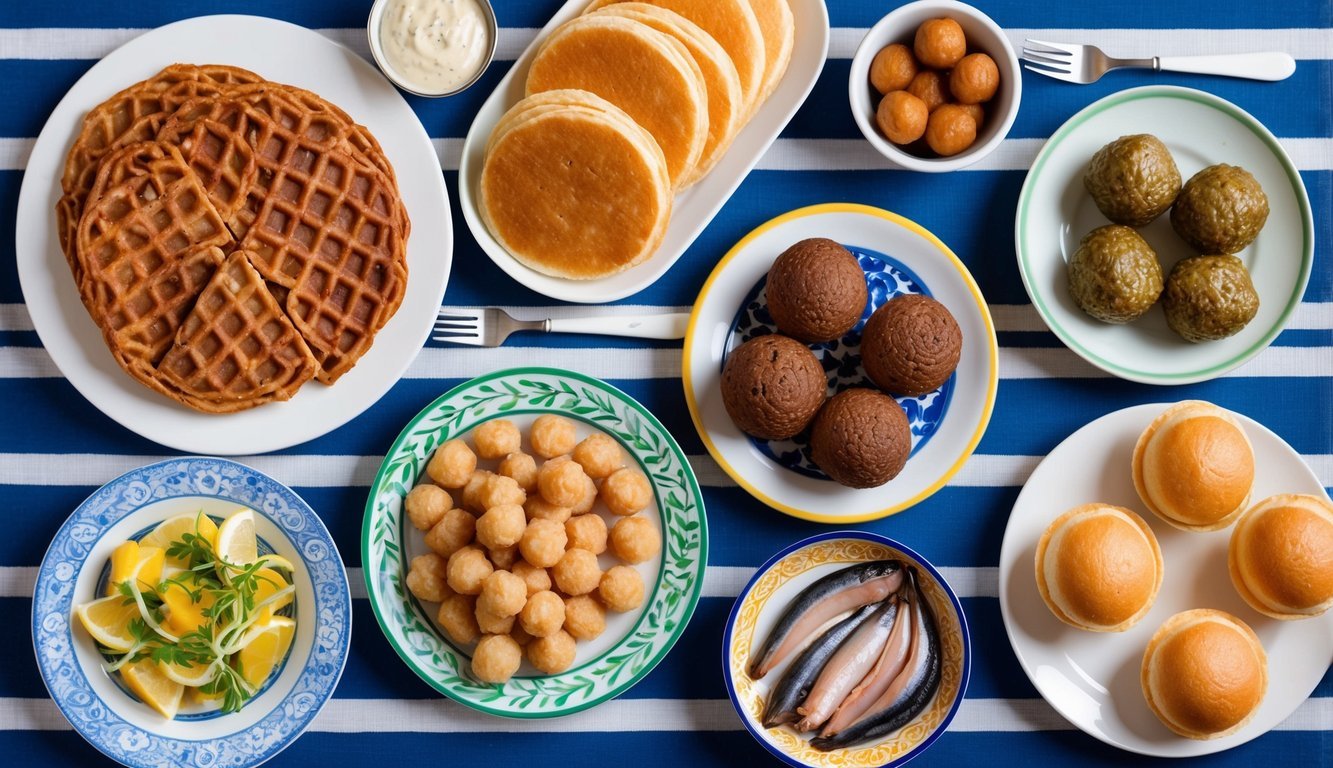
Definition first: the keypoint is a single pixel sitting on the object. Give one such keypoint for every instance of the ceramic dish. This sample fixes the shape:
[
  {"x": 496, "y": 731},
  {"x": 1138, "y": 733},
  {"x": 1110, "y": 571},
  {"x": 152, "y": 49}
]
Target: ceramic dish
[
  {"x": 693, "y": 208},
  {"x": 1054, "y": 213},
  {"x": 108, "y": 716},
  {"x": 374, "y": 29},
  {"x": 899, "y": 256},
  {"x": 1093, "y": 678},
  {"x": 310, "y": 61},
  {"x": 983, "y": 35},
  {"x": 633, "y": 642},
  {"x": 771, "y": 590}
]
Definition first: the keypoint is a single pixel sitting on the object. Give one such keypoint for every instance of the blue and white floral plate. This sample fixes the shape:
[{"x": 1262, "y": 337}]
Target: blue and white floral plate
[
  {"x": 107, "y": 715},
  {"x": 898, "y": 256}
]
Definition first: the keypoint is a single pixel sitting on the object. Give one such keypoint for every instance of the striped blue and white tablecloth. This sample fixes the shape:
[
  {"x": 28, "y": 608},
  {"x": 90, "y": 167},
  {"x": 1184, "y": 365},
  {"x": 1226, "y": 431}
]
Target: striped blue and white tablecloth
[{"x": 55, "y": 448}]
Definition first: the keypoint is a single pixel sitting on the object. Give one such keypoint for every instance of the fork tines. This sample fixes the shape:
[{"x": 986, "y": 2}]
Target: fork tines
[
  {"x": 1046, "y": 58},
  {"x": 460, "y": 329}
]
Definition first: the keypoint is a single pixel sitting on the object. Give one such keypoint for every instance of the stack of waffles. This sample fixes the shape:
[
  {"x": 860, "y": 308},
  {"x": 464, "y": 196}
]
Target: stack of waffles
[{"x": 232, "y": 237}]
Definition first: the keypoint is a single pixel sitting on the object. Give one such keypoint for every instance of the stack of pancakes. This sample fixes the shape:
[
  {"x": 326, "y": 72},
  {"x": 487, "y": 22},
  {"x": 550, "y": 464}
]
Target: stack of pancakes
[
  {"x": 626, "y": 105},
  {"x": 232, "y": 237}
]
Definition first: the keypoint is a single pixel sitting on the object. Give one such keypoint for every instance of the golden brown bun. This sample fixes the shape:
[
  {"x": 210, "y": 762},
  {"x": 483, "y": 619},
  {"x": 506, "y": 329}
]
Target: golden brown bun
[
  {"x": 1099, "y": 568},
  {"x": 1281, "y": 556},
  {"x": 1194, "y": 466},
  {"x": 1204, "y": 673}
]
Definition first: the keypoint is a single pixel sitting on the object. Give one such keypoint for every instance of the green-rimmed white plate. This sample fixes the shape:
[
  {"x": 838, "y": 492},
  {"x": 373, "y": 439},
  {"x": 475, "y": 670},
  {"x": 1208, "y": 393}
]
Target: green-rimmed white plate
[
  {"x": 1054, "y": 213},
  {"x": 633, "y": 642}
]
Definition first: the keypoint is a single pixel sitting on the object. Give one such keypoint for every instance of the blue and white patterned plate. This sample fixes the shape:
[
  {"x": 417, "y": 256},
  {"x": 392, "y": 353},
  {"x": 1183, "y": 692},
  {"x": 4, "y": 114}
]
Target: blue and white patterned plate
[{"x": 110, "y": 718}]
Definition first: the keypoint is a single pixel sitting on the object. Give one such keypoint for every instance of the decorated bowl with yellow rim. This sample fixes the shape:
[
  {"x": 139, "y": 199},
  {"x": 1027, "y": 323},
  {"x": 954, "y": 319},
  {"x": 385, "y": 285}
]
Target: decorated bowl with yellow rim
[
  {"x": 898, "y": 257},
  {"x": 772, "y": 589}
]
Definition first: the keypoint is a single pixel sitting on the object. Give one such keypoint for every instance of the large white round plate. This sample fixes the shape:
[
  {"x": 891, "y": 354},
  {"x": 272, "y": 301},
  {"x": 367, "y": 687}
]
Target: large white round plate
[
  {"x": 1092, "y": 678},
  {"x": 693, "y": 208},
  {"x": 1055, "y": 212},
  {"x": 917, "y": 262},
  {"x": 118, "y": 724},
  {"x": 283, "y": 53}
]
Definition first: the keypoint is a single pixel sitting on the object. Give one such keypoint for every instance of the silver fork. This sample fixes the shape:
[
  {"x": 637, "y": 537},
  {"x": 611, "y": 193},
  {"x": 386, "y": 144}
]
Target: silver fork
[
  {"x": 1087, "y": 63},
  {"x": 489, "y": 327}
]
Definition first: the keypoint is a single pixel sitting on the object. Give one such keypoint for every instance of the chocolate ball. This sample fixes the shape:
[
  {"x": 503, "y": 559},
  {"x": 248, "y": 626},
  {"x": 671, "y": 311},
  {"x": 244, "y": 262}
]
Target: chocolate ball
[
  {"x": 861, "y": 438},
  {"x": 816, "y": 290},
  {"x": 910, "y": 346},
  {"x": 772, "y": 386}
]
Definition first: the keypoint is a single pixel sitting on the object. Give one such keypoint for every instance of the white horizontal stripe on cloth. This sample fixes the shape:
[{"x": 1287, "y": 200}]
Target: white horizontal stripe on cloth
[
  {"x": 94, "y": 43},
  {"x": 1312, "y": 154},
  {"x": 617, "y": 716},
  {"x": 1008, "y": 317},
  {"x": 982, "y": 470}
]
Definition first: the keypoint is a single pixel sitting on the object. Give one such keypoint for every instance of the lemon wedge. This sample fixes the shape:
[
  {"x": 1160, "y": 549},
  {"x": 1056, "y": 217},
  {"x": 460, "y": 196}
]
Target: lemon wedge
[
  {"x": 184, "y": 613},
  {"x": 108, "y": 619},
  {"x": 189, "y": 675},
  {"x": 237, "y": 543},
  {"x": 132, "y": 556},
  {"x": 174, "y": 529},
  {"x": 150, "y": 683},
  {"x": 269, "y": 582},
  {"x": 265, "y": 647}
]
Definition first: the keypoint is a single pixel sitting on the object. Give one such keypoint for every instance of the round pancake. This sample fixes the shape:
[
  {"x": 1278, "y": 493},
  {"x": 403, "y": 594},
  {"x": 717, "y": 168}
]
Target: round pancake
[
  {"x": 719, "y": 74},
  {"x": 571, "y": 193},
  {"x": 732, "y": 23},
  {"x": 649, "y": 75},
  {"x": 779, "y": 30},
  {"x": 550, "y": 101}
]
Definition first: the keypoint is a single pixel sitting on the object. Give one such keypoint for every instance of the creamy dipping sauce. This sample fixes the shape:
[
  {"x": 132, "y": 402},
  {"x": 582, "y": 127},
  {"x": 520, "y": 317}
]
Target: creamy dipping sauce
[{"x": 434, "y": 46}]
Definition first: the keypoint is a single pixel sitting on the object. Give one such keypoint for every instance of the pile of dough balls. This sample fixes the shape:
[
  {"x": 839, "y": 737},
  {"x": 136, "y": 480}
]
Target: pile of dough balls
[
  {"x": 514, "y": 562},
  {"x": 933, "y": 89}
]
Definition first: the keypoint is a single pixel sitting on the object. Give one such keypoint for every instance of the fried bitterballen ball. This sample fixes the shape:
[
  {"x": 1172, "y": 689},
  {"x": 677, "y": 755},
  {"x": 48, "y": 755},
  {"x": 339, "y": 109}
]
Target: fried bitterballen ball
[
  {"x": 452, "y": 464},
  {"x": 468, "y": 569},
  {"x": 635, "y": 540},
  {"x": 599, "y": 455},
  {"x": 471, "y": 496},
  {"x": 496, "y": 438},
  {"x": 543, "y": 614},
  {"x": 494, "y": 625},
  {"x": 426, "y": 578},
  {"x": 902, "y": 117},
  {"x": 930, "y": 87},
  {"x": 621, "y": 589},
  {"x": 950, "y": 130},
  {"x": 577, "y": 572},
  {"x": 543, "y": 543},
  {"x": 496, "y": 659},
  {"x": 499, "y": 489},
  {"x": 975, "y": 79},
  {"x": 538, "y": 508},
  {"x": 537, "y": 579},
  {"x": 939, "y": 43},
  {"x": 587, "y": 532},
  {"x": 585, "y": 618},
  {"x": 627, "y": 492},
  {"x": 585, "y": 503},
  {"x": 503, "y": 558},
  {"x": 521, "y": 467},
  {"x": 892, "y": 68},
  {"x": 458, "y": 618},
  {"x": 554, "y": 653},
  {"x": 552, "y": 436},
  {"x": 562, "y": 481},
  {"x": 502, "y": 594},
  {"x": 502, "y": 526},
  {"x": 426, "y": 504},
  {"x": 453, "y": 532}
]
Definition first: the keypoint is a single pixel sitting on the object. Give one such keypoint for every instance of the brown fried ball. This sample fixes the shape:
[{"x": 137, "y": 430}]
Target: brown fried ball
[
  {"x": 901, "y": 117},
  {"x": 543, "y": 542},
  {"x": 585, "y": 618},
  {"x": 978, "y": 114},
  {"x": 452, "y": 533},
  {"x": 552, "y": 436},
  {"x": 939, "y": 43},
  {"x": 452, "y": 464},
  {"x": 536, "y": 579},
  {"x": 502, "y": 526},
  {"x": 503, "y": 558},
  {"x": 950, "y": 130},
  {"x": 520, "y": 634},
  {"x": 426, "y": 504},
  {"x": 496, "y": 438},
  {"x": 537, "y": 508},
  {"x": 494, "y": 625},
  {"x": 621, "y": 589},
  {"x": 471, "y": 498},
  {"x": 585, "y": 503},
  {"x": 635, "y": 539},
  {"x": 497, "y": 490},
  {"x": 929, "y": 86},
  {"x": 458, "y": 618},
  {"x": 502, "y": 594},
  {"x": 554, "y": 653},
  {"x": 599, "y": 455},
  {"x": 562, "y": 481},
  {"x": 577, "y": 572},
  {"x": 468, "y": 569},
  {"x": 426, "y": 578},
  {"x": 975, "y": 79},
  {"x": 627, "y": 491},
  {"x": 587, "y": 532},
  {"x": 521, "y": 467},
  {"x": 892, "y": 68},
  {"x": 543, "y": 614},
  {"x": 496, "y": 659}
]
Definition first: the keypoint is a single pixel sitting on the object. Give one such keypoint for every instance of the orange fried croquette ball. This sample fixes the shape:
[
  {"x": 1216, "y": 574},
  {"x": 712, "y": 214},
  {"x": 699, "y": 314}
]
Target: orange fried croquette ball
[
  {"x": 621, "y": 589},
  {"x": 537, "y": 508},
  {"x": 426, "y": 578},
  {"x": 554, "y": 653},
  {"x": 496, "y": 659},
  {"x": 599, "y": 455},
  {"x": 543, "y": 542},
  {"x": 458, "y": 618},
  {"x": 577, "y": 572},
  {"x": 521, "y": 467},
  {"x": 497, "y": 490},
  {"x": 950, "y": 130},
  {"x": 552, "y": 436},
  {"x": 939, "y": 43},
  {"x": 930, "y": 87},
  {"x": 585, "y": 618},
  {"x": 892, "y": 68},
  {"x": 902, "y": 117},
  {"x": 426, "y": 504},
  {"x": 975, "y": 79},
  {"x": 453, "y": 532},
  {"x": 586, "y": 532},
  {"x": 452, "y": 464},
  {"x": 635, "y": 540},
  {"x": 496, "y": 438},
  {"x": 502, "y": 526},
  {"x": 504, "y": 557},
  {"x": 536, "y": 578},
  {"x": 491, "y": 624},
  {"x": 471, "y": 495},
  {"x": 468, "y": 568},
  {"x": 975, "y": 110},
  {"x": 627, "y": 491},
  {"x": 543, "y": 614},
  {"x": 502, "y": 594},
  {"x": 562, "y": 481}
]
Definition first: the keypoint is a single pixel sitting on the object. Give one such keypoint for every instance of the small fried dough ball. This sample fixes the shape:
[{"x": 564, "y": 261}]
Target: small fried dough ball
[
  {"x": 599, "y": 455},
  {"x": 521, "y": 467},
  {"x": 929, "y": 86},
  {"x": 496, "y": 659},
  {"x": 950, "y": 130},
  {"x": 492, "y": 624},
  {"x": 543, "y": 543},
  {"x": 901, "y": 117},
  {"x": 561, "y": 481},
  {"x": 552, "y": 436},
  {"x": 939, "y": 43},
  {"x": 502, "y": 526},
  {"x": 587, "y": 532},
  {"x": 544, "y": 614},
  {"x": 978, "y": 114},
  {"x": 452, "y": 533},
  {"x": 497, "y": 490},
  {"x": 635, "y": 540},
  {"x": 577, "y": 572},
  {"x": 554, "y": 653},
  {"x": 621, "y": 589},
  {"x": 892, "y": 68},
  {"x": 452, "y": 464},
  {"x": 520, "y": 635},
  {"x": 585, "y": 618},
  {"x": 627, "y": 491},
  {"x": 496, "y": 438},
  {"x": 425, "y": 578},
  {"x": 585, "y": 503},
  {"x": 502, "y": 594},
  {"x": 537, "y": 508},
  {"x": 504, "y": 557},
  {"x": 426, "y": 504},
  {"x": 537, "y": 579},
  {"x": 458, "y": 618},
  {"x": 975, "y": 79},
  {"x": 468, "y": 568},
  {"x": 472, "y": 491}
]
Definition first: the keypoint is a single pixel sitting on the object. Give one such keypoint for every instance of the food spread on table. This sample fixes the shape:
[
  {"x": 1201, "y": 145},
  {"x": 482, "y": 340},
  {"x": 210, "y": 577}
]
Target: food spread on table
[{"x": 233, "y": 238}]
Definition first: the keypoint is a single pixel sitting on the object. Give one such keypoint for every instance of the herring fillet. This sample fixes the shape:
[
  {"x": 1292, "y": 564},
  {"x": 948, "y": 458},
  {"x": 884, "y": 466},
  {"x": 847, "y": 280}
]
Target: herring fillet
[
  {"x": 881, "y": 676},
  {"x": 800, "y": 677},
  {"x": 848, "y": 667}
]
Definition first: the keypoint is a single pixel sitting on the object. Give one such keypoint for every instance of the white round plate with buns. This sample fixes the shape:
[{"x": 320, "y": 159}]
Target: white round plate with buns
[{"x": 1093, "y": 678}]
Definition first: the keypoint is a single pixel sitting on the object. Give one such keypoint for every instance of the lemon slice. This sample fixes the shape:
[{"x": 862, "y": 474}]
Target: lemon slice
[
  {"x": 269, "y": 582},
  {"x": 150, "y": 683},
  {"x": 130, "y": 557},
  {"x": 236, "y": 542},
  {"x": 190, "y": 675},
  {"x": 279, "y": 562},
  {"x": 108, "y": 619},
  {"x": 174, "y": 529},
  {"x": 184, "y": 613},
  {"x": 265, "y": 647}
]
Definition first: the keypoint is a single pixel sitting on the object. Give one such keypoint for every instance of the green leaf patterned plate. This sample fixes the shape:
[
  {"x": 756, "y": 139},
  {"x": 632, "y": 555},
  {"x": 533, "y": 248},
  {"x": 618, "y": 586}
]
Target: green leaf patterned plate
[{"x": 633, "y": 642}]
